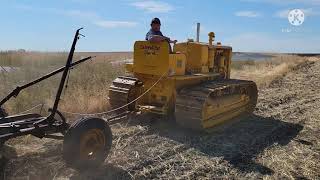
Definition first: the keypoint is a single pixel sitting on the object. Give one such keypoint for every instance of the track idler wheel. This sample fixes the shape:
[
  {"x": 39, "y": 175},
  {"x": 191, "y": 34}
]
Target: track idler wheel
[{"x": 87, "y": 143}]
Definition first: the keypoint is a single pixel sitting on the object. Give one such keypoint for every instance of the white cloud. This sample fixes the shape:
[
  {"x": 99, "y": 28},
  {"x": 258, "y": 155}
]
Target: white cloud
[
  {"x": 24, "y": 7},
  {"x": 249, "y": 14},
  {"x": 282, "y": 13},
  {"x": 287, "y": 2},
  {"x": 114, "y": 24},
  {"x": 97, "y": 20},
  {"x": 83, "y": 1},
  {"x": 308, "y": 12},
  {"x": 153, "y": 6},
  {"x": 89, "y": 16}
]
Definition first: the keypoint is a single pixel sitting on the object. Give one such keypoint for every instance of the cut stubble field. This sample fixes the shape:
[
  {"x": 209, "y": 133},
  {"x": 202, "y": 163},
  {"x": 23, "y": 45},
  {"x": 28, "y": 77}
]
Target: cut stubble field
[{"x": 280, "y": 140}]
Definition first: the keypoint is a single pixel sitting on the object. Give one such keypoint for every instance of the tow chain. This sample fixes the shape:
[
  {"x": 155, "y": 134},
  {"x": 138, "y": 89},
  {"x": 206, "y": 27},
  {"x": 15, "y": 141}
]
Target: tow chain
[{"x": 121, "y": 107}]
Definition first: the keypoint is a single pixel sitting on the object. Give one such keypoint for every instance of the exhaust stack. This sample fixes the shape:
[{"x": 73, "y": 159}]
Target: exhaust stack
[{"x": 198, "y": 32}]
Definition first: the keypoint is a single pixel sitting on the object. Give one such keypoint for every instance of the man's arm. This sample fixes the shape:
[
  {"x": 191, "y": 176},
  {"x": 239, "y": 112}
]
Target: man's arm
[
  {"x": 174, "y": 41},
  {"x": 157, "y": 38}
]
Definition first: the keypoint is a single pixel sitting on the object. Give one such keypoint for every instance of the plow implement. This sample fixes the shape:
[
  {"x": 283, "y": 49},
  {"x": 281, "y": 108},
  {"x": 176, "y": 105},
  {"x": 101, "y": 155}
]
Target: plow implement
[{"x": 86, "y": 142}]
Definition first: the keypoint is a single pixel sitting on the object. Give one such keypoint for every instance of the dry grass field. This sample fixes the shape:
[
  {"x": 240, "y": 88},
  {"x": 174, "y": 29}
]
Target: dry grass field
[
  {"x": 264, "y": 72},
  {"x": 279, "y": 141},
  {"x": 87, "y": 85}
]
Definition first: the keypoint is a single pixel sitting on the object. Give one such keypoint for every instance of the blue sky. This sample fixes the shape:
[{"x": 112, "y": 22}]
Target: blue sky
[{"x": 246, "y": 25}]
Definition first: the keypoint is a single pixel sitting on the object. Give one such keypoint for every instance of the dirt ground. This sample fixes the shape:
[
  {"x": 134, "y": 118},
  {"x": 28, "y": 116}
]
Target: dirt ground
[{"x": 280, "y": 140}]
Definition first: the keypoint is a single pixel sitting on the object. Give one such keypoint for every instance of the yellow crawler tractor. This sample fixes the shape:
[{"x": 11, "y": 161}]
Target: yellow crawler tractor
[{"x": 190, "y": 84}]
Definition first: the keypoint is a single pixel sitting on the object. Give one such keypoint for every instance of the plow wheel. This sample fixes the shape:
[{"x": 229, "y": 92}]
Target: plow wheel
[{"x": 87, "y": 143}]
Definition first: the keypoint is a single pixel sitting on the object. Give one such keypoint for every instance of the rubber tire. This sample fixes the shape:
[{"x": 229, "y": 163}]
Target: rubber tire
[{"x": 71, "y": 143}]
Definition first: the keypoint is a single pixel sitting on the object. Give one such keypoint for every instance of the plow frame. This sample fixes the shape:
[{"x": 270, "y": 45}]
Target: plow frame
[{"x": 39, "y": 126}]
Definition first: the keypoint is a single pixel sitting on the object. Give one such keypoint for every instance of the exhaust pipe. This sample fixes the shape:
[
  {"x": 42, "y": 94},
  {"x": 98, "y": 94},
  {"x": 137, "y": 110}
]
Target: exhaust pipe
[{"x": 198, "y": 32}]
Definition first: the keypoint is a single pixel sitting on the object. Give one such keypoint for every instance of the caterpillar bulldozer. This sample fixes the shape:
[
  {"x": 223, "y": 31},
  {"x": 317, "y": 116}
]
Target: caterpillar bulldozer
[{"x": 190, "y": 84}]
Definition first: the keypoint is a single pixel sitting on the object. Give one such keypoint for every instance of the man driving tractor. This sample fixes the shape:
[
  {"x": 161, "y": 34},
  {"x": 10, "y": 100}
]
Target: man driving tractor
[{"x": 155, "y": 35}]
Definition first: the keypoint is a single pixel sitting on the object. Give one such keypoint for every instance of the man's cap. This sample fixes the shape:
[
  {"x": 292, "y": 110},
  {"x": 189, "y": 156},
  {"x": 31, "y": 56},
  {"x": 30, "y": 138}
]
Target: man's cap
[{"x": 155, "y": 21}]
